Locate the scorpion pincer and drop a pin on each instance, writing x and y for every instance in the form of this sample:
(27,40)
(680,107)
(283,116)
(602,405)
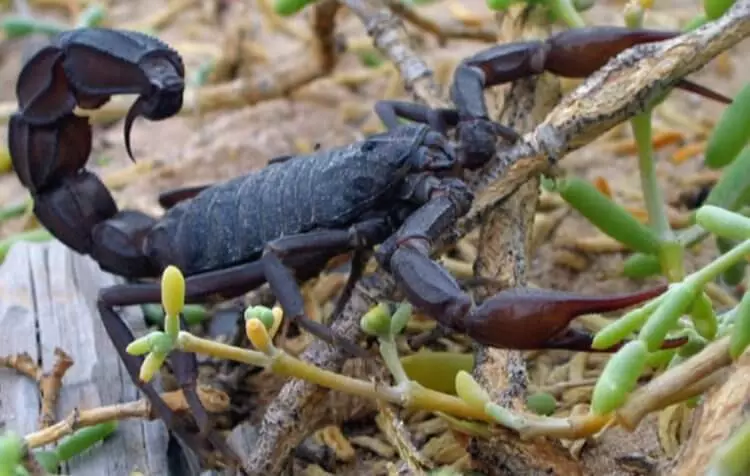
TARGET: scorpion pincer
(281,224)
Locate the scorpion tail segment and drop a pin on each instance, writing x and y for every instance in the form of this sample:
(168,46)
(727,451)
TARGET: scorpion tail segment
(118,244)
(579,52)
(42,156)
(695,88)
(43,91)
(71,211)
(529,319)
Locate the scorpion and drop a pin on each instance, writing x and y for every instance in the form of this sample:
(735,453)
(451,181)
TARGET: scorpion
(280,225)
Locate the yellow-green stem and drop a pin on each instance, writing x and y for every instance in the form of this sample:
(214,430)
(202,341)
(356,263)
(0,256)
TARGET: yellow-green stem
(566,11)
(190,343)
(408,394)
(671,260)
(719,265)
(284,364)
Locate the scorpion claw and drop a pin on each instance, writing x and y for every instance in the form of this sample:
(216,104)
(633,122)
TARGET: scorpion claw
(575,340)
(530,319)
(696,88)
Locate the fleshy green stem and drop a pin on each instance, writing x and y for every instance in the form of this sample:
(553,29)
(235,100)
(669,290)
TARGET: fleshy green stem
(657,217)
(286,365)
(389,352)
(566,11)
(720,264)
(408,394)
(671,252)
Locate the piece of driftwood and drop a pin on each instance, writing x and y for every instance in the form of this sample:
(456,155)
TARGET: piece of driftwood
(47,301)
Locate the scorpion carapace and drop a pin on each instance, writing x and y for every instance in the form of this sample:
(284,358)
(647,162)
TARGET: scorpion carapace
(279,225)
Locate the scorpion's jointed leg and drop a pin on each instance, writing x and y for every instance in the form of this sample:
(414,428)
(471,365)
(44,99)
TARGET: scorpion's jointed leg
(477,141)
(357,269)
(170,198)
(515,318)
(575,53)
(278,257)
(185,369)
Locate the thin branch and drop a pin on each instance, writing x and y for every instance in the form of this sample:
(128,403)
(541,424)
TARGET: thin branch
(49,383)
(718,417)
(214,400)
(390,38)
(504,250)
(443,33)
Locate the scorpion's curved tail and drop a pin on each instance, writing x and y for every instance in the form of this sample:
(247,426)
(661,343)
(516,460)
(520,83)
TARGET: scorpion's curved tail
(49,145)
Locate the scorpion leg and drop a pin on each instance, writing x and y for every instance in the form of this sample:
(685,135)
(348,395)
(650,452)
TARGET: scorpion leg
(516,318)
(357,269)
(185,369)
(476,137)
(170,198)
(390,112)
(575,53)
(275,258)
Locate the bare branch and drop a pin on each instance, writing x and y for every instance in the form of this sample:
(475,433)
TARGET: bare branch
(722,412)
(389,36)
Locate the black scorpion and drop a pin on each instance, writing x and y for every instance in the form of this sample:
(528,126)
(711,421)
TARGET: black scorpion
(281,224)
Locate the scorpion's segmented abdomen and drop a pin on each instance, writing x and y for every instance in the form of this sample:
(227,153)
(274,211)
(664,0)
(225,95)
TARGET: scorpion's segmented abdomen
(231,223)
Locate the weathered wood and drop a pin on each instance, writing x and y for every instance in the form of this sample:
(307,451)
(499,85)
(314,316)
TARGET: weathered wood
(47,300)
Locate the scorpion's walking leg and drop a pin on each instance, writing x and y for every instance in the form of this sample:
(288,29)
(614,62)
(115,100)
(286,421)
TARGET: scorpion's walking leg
(390,111)
(279,253)
(477,136)
(186,370)
(170,198)
(357,269)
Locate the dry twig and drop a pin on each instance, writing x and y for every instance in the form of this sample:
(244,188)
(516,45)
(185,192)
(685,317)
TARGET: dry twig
(49,383)
(213,400)
(503,253)
(443,33)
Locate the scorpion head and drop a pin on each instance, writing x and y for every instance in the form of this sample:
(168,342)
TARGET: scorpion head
(437,153)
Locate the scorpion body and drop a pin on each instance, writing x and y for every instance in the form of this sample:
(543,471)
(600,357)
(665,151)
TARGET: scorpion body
(230,223)
(280,225)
